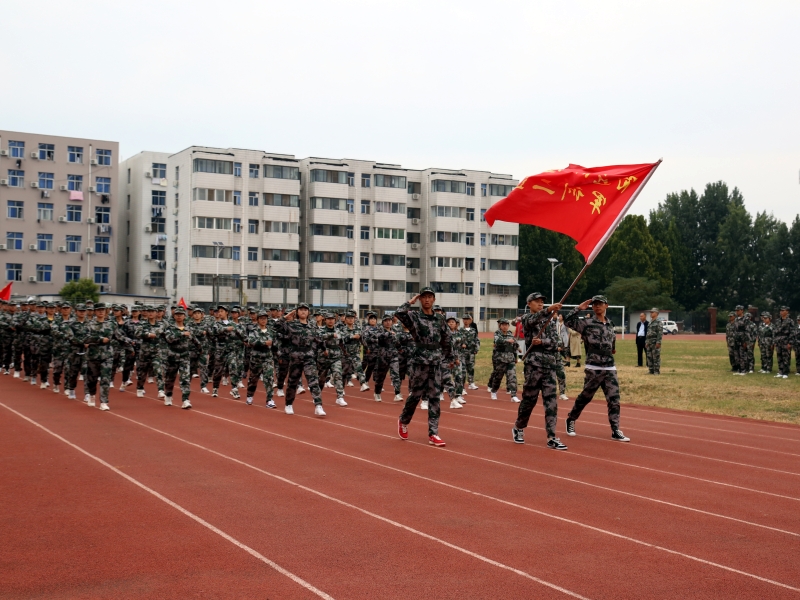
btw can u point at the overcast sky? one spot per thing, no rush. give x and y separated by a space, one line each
713 88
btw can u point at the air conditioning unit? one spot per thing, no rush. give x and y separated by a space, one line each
148 229
90 251
174 211
415 271
62 219
45 194
149 175
3 181
174 266
92 189
35 184
63 188
147 282
62 248
415 221
105 289
34 155
32 247
3 246
174 184
175 238
415 246
3 152
415 196
147 257
90 221
32 279
93 162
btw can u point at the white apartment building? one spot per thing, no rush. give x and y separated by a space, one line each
246 226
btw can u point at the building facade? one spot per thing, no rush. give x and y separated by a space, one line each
59 200
230 225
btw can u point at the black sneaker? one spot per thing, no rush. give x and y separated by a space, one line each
518 435
617 434
571 427
555 444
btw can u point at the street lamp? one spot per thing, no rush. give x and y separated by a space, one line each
554 264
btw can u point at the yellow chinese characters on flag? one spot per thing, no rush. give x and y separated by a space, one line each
586 204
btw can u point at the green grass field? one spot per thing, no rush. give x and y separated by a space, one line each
695 375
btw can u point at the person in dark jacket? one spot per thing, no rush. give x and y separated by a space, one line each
641 335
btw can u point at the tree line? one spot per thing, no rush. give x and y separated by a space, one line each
694 250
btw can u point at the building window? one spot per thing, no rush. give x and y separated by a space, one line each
327 257
390 181
390 207
329 203
212 223
469 264
280 227
14 271
237 226
15 209
220 167
74 213
284 255
72 273
237 169
470 214
158 198
455 212
47 152
156 279
74 243
389 260
129 180
252 199
328 230
469 239
176 227
351 179
364 259
158 252
470 189
413 213
365 180
278 172
253 171
451 237
413 238
46 181
328 176
158 171
16 178
483 264
412 287
101 245
483 239
365 207
44 211
252 253
483 190
502 265
44 242
364 285
16 149
447 287
252 282
176 200
414 187
101 275
75 183
237 198
500 190
14 240
44 273
104 158
349 231
503 240
158 225
252 226
211 252
483 291
364 232
75 154
412 263
236 253
386 233
453 187
351 206
103 185
102 215
281 200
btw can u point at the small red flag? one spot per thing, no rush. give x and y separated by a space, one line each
585 204
5 293
182 303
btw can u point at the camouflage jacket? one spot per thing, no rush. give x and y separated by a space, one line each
96 332
505 347
201 333
229 340
129 328
599 338
178 344
751 331
62 337
300 340
471 340
766 337
330 343
367 337
258 339
383 342
655 331
351 344
730 332
150 346
542 356
431 336
739 329
404 343
41 326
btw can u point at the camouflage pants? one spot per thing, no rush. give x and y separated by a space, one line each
447 382
298 367
500 369
45 356
784 357
653 357
30 361
732 356
751 356
607 381
211 361
561 376
332 368
198 363
99 370
261 365
7 352
158 373
425 383
538 380
384 366
177 366
283 371
129 364
149 362
455 386
469 367
59 362
230 362
767 352
369 362
740 354
74 365
402 363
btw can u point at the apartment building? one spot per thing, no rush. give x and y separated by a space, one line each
59 201
247 226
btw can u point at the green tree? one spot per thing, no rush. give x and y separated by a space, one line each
536 245
80 291
638 293
633 253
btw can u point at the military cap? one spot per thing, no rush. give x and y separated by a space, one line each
66 304
437 307
452 318
179 310
427 290
316 313
351 313
652 310
785 308
739 307
371 314
80 307
340 312
766 315
599 298
303 305
466 316
252 310
274 307
386 317
197 309
100 305
222 307
40 303
236 308
136 307
329 315
731 314
502 321
262 313
534 296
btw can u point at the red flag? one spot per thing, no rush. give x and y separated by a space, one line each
5 293
183 304
585 204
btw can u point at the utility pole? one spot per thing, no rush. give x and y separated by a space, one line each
554 264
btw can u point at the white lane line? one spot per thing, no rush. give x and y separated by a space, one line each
191 515
788 427
465 490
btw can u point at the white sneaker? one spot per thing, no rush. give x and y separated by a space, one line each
195 376
122 387
271 404
103 406
91 401
43 386
377 397
464 392
111 385
249 400
186 404
515 399
129 382
140 393
328 384
340 401
494 396
168 401
398 397
350 384
352 376
33 381
274 385
289 410
119 369
423 405
472 386
461 400
778 376
86 398
224 381
301 389
279 393
318 410
563 397
364 387
455 404
72 395
161 394
241 385
56 390
16 374
784 376
204 390
441 397
80 377
149 380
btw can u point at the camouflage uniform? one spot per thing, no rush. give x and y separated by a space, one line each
730 339
100 356
473 343
76 335
405 348
176 361
42 327
261 364
599 340
504 360
652 346
301 341
7 337
150 357
766 346
329 358
351 359
370 358
740 342
382 344
198 354
433 349
540 370
284 350
230 352
22 358
751 335
458 372
129 328
61 350
785 332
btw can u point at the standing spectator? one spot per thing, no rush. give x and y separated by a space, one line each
574 347
653 343
641 334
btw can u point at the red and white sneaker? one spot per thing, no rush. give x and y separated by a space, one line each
435 440
402 430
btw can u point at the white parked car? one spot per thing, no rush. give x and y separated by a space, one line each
671 327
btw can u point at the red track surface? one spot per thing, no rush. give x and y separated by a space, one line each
232 501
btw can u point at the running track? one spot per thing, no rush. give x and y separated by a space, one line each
231 501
